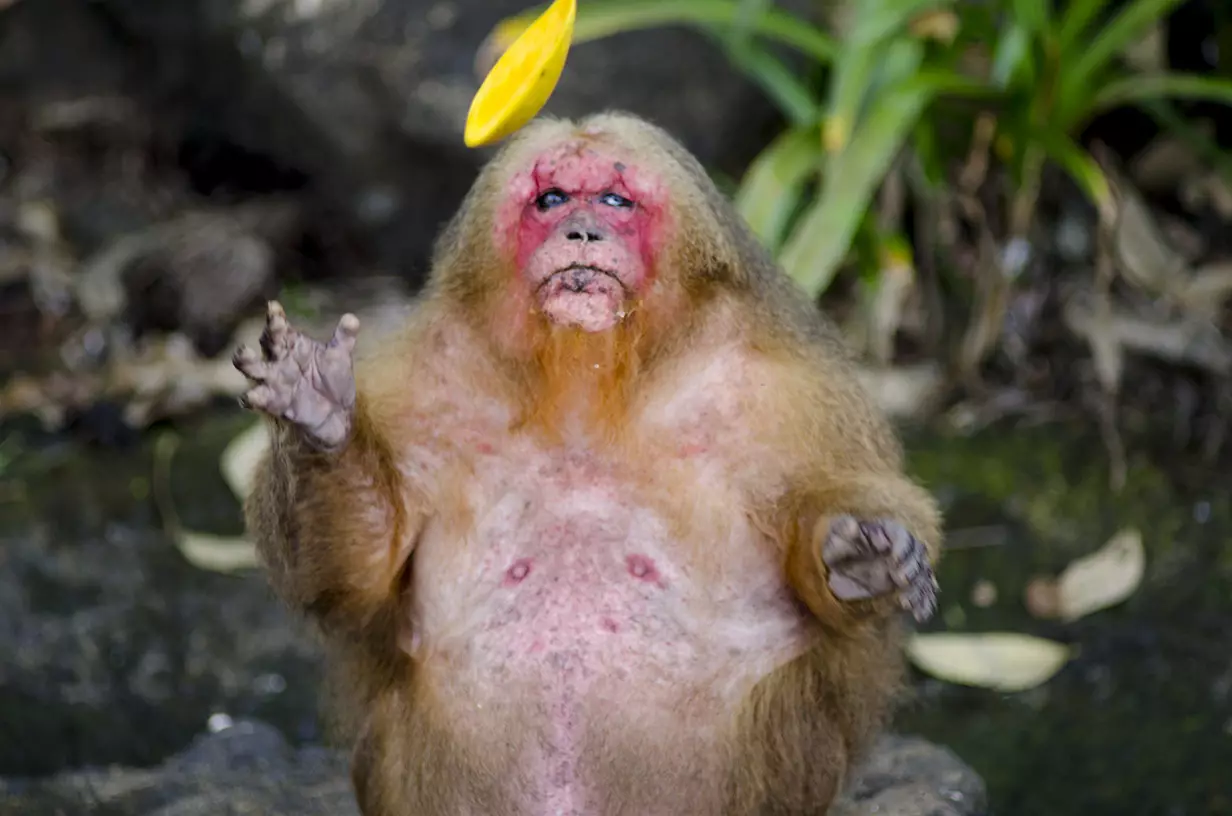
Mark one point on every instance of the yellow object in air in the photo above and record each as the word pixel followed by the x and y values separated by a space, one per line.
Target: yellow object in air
pixel 521 81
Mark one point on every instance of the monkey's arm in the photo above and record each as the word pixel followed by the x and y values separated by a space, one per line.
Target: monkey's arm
pixel 334 528
pixel 860 537
pixel 862 545
pixel 327 510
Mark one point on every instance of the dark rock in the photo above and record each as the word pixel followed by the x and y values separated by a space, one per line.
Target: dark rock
pixel 369 98
pixel 249 768
pixel 117 650
pixel 907 776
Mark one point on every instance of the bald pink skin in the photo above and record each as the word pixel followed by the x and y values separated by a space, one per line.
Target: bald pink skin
pixel 584 283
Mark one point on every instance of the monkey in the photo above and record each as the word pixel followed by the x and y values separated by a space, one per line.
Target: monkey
pixel 609 526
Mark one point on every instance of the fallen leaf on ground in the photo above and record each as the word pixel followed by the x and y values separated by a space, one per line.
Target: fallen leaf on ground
pixel 904 392
pixel 241 456
pixel 1002 661
pixel 1112 329
pixel 217 553
pixel 1104 578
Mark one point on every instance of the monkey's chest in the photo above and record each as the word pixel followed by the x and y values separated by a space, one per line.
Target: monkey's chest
pixel 574 587
pixel 572 630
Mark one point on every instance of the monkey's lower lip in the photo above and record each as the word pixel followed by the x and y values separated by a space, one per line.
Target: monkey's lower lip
pixel 582 296
pixel 576 278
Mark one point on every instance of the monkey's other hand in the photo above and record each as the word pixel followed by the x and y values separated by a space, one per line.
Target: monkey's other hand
pixel 867 559
pixel 302 381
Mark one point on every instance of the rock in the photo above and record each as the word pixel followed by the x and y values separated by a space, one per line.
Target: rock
pixel 908 776
pixel 249 768
pixel 369 97
pixel 118 651
pixel 200 273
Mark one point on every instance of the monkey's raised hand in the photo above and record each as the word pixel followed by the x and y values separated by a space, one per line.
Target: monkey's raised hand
pixel 302 381
pixel 871 558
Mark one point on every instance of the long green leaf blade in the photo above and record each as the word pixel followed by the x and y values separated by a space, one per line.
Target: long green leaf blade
pixel 876 20
pixel 1144 87
pixel 1012 57
pixel 597 19
pixel 775 180
pixel 1080 79
pixel 821 240
pixel 1074 21
pixel 857 65
pixel 779 82
pixel 1076 162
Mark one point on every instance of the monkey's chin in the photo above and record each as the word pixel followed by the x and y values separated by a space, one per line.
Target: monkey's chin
pixel 596 306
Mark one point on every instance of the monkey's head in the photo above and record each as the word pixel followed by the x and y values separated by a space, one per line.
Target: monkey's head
pixel 588 226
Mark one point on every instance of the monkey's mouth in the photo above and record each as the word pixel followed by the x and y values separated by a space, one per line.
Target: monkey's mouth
pixel 588 297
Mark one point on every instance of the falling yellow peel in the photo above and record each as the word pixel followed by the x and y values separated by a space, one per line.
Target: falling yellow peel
pixel 521 81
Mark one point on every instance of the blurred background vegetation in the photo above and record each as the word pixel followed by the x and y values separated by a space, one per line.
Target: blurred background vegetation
pixel 1017 210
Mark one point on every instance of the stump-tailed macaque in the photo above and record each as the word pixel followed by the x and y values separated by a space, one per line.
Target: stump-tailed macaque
pixel 610 528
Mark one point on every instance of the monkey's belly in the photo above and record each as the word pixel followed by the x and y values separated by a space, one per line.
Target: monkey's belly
pixel 589 638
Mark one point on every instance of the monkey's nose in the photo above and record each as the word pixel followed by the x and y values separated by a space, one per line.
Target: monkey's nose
pixel 583 227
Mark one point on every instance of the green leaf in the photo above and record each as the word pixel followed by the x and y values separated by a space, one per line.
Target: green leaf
pixel 876 20
pixel 597 19
pixel 1012 57
pixel 779 82
pixel 1143 87
pixel 900 59
pixel 1078 164
pixel 742 27
pixel 1032 15
pixel 1075 19
pixel 1080 79
pixel 773 184
pixel 820 241
pixel 863 54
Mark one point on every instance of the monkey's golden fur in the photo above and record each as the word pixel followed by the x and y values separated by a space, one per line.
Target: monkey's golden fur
pixel 338 532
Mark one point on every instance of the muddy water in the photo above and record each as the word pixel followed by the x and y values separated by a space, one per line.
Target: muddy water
pixel 116 650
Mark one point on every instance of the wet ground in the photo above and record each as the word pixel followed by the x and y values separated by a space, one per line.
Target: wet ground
pixel 119 651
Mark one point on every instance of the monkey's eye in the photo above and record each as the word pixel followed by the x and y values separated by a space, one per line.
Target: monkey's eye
pixel 552 198
pixel 614 200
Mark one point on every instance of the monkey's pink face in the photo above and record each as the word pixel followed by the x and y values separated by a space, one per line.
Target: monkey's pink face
pixel 585 232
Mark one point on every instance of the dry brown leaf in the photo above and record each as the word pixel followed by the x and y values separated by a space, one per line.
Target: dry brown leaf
pixel 1104 578
pixel 1042 598
pixel 1144 257
pixel 1002 661
pixel 1206 292
pixel 903 392
pixel 217 553
pixel 1114 330
pixel 885 304
pixel 240 458
pixel 1163 164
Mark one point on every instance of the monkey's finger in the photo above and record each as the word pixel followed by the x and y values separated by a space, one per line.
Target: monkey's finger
pixel 843 541
pixel 345 334
pixel 903 545
pixel 248 361
pixel 920 601
pixel 905 574
pixel 263 398
pixel 276 339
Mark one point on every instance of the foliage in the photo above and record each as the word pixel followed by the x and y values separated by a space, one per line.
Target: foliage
pixel 882 81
